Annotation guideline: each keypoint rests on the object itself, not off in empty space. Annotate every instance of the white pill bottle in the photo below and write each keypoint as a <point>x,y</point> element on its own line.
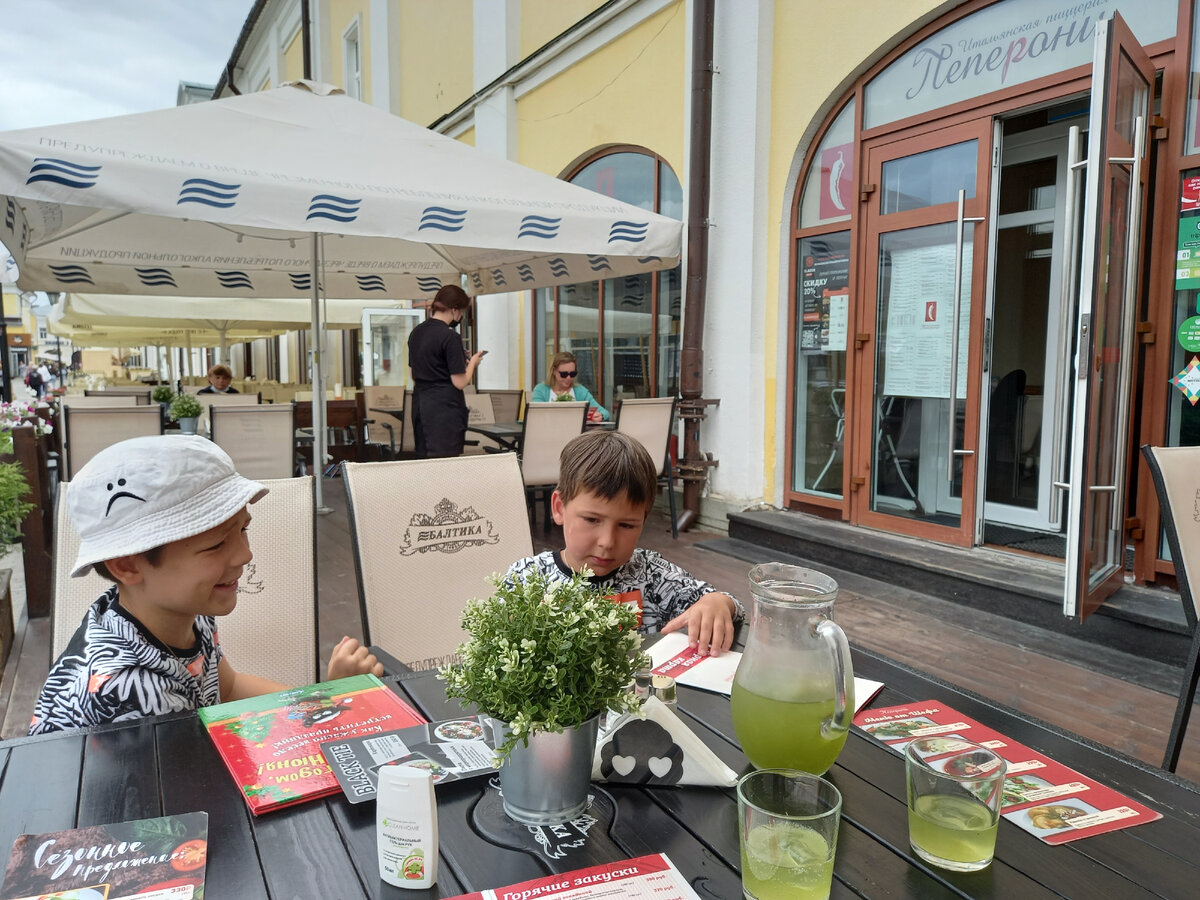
<point>406,827</point>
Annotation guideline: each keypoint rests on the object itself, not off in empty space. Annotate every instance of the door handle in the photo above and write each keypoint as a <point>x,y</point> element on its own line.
<point>956,304</point>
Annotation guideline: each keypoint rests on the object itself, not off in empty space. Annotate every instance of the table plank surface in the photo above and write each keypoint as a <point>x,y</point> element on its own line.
<point>326,847</point>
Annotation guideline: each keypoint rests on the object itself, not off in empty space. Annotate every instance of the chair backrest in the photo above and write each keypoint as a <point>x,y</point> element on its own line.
<point>87,431</point>
<point>192,389</point>
<point>479,410</point>
<point>408,440</point>
<point>99,399</point>
<point>208,401</point>
<point>648,421</point>
<point>506,404</point>
<point>548,428</point>
<point>272,632</point>
<point>426,533</point>
<point>382,396</point>
<point>1176,475</point>
<point>142,394</point>
<point>261,440</point>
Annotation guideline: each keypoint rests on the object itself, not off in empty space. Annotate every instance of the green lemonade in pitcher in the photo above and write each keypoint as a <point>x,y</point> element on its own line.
<point>782,734</point>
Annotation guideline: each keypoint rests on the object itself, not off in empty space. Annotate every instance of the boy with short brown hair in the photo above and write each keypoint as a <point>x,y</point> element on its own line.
<point>606,488</point>
<point>165,519</point>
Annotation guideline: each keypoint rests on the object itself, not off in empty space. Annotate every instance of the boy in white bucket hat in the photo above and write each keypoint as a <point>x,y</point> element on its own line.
<point>165,519</point>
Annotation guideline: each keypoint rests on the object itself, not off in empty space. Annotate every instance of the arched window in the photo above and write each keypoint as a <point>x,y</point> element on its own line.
<point>625,332</point>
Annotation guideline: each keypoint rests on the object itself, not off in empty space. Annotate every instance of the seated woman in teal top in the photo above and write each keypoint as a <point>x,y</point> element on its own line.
<point>560,385</point>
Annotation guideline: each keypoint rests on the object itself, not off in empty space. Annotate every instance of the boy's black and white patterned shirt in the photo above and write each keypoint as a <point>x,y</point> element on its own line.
<point>666,590</point>
<point>114,670</point>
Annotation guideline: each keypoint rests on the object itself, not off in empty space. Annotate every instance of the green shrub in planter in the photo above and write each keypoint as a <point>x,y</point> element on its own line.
<point>185,406</point>
<point>162,393</point>
<point>13,510</point>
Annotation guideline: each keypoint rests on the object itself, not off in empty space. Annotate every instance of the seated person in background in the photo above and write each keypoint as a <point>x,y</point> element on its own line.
<point>606,488</point>
<point>218,381</point>
<point>164,518</point>
<point>560,385</point>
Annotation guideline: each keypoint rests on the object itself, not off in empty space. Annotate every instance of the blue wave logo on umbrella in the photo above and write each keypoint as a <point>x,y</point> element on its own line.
<point>71,274</point>
<point>599,263</point>
<point>558,267</point>
<point>60,171</point>
<point>208,192</point>
<point>301,281</point>
<point>539,227</point>
<point>231,280</point>
<point>498,277</point>
<point>155,277</point>
<point>633,232</point>
<point>477,281</point>
<point>525,271</point>
<point>369,282</point>
<point>10,214</point>
<point>442,218</point>
<point>645,260</point>
<point>428,283</point>
<point>331,206</point>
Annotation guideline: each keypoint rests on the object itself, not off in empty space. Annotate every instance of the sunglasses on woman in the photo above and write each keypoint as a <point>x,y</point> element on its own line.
<point>563,373</point>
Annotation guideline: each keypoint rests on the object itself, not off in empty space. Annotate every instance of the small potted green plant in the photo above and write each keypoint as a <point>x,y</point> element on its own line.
<point>185,409</point>
<point>13,509</point>
<point>546,659</point>
<point>162,394</point>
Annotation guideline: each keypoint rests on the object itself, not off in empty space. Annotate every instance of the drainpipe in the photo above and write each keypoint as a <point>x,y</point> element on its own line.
<point>693,466</point>
<point>306,39</point>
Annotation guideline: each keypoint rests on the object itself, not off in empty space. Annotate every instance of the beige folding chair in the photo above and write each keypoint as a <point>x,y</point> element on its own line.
<point>272,633</point>
<point>376,423</point>
<point>141,395</point>
<point>1176,475</point>
<point>87,431</point>
<point>261,440</point>
<point>479,411</point>
<point>208,401</point>
<point>426,533</point>
<point>649,421</point>
<point>548,427</point>
<point>506,404</point>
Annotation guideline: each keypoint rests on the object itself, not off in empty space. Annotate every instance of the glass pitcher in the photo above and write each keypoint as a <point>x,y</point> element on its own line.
<point>793,694</point>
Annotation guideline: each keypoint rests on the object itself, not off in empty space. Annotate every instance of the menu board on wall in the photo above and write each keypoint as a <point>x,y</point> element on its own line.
<point>920,319</point>
<point>824,292</point>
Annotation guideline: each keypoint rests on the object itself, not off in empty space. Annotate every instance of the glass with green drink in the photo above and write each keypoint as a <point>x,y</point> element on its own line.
<point>788,827</point>
<point>953,802</point>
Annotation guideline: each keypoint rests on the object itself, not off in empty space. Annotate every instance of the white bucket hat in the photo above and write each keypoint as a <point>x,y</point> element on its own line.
<point>148,491</point>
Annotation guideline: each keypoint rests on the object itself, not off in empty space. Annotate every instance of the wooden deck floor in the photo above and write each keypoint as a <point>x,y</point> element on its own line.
<point>1059,680</point>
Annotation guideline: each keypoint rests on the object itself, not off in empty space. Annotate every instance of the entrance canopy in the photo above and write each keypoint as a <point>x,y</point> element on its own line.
<point>219,198</point>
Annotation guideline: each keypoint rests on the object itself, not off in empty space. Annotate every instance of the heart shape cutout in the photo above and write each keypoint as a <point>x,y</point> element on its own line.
<point>623,765</point>
<point>660,766</point>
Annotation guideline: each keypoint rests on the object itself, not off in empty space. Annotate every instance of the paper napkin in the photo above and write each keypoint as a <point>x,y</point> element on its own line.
<point>658,749</point>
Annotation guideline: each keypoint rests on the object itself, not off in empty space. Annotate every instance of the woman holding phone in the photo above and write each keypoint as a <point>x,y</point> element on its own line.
<point>560,384</point>
<point>440,371</point>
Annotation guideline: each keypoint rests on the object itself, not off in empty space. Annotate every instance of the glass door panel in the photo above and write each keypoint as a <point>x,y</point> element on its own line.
<point>1122,82</point>
<point>385,345</point>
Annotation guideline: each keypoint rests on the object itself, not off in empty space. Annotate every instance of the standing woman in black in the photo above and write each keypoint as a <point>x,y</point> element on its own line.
<point>440,371</point>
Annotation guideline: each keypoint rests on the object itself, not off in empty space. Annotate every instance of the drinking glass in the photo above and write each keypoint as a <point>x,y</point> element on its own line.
<point>954,791</point>
<point>788,826</point>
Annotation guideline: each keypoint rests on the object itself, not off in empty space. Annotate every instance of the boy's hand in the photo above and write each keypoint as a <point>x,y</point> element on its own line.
<point>350,657</point>
<point>709,624</point>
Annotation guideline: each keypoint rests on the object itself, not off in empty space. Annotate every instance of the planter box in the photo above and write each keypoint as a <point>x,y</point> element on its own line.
<point>6,618</point>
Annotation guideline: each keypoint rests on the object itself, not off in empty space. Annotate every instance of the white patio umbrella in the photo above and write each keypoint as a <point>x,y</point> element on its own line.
<point>232,197</point>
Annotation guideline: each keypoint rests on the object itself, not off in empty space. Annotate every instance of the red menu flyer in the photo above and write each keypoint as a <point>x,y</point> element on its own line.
<point>644,878</point>
<point>1047,799</point>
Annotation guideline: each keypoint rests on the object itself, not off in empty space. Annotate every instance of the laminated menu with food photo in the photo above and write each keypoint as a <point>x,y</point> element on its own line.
<point>1046,798</point>
<point>450,750</point>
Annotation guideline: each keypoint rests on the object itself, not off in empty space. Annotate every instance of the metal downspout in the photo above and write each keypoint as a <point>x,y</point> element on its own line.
<point>693,466</point>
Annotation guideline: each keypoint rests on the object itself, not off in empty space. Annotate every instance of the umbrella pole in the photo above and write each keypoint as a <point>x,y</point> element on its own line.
<point>188,336</point>
<point>166,351</point>
<point>318,406</point>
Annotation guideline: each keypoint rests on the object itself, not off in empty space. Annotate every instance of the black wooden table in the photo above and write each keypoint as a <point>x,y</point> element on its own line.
<point>507,434</point>
<point>326,848</point>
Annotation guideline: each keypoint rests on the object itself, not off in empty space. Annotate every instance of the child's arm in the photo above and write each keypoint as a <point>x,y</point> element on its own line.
<point>350,657</point>
<point>709,623</point>
<point>240,685</point>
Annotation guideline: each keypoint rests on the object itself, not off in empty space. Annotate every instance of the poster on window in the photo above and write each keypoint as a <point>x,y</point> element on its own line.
<point>824,292</point>
<point>1187,250</point>
<point>920,321</point>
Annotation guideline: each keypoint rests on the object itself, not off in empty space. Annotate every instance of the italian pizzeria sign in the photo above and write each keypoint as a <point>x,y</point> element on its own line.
<point>1007,43</point>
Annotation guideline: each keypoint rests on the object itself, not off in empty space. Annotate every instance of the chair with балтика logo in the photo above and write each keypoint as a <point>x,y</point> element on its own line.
<point>426,535</point>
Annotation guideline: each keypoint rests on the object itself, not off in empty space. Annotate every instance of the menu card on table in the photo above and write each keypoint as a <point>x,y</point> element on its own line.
<point>670,655</point>
<point>1045,798</point>
<point>644,878</point>
<point>150,859</point>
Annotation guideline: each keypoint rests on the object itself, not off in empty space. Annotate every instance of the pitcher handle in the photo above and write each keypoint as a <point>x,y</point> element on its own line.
<point>843,679</point>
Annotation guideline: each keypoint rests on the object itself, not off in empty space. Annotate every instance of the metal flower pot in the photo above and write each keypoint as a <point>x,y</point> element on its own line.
<point>547,782</point>
<point>187,424</point>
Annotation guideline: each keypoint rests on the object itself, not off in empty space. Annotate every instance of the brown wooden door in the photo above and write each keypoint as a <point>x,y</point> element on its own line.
<point>916,423</point>
<point>1122,90</point>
